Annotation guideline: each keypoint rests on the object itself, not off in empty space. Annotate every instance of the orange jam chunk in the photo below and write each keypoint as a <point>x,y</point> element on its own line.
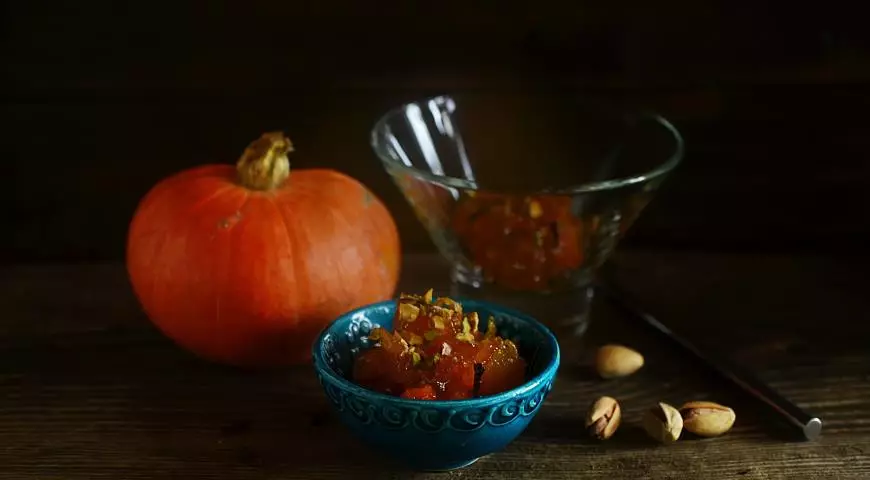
<point>438,352</point>
<point>520,243</point>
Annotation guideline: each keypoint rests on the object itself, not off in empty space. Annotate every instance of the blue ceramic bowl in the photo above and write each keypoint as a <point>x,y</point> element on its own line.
<point>434,435</point>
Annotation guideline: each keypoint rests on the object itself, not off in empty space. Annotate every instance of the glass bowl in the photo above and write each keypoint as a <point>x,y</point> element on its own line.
<point>526,195</point>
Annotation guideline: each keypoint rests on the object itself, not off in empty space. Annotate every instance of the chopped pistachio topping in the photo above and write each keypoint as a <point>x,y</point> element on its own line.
<point>535,209</point>
<point>408,313</point>
<point>427,297</point>
<point>465,337</point>
<point>439,310</point>
<point>438,322</point>
<point>376,334</point>
<point>450,304</point>
<point>415,339</point>
<point>411,299</point>
<point>490,328</point>
<point>474,320</point>
<point>431,335</point>
<point>415,357</point>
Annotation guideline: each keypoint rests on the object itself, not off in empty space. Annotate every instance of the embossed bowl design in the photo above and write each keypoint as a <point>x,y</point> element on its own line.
<point>434,435</point>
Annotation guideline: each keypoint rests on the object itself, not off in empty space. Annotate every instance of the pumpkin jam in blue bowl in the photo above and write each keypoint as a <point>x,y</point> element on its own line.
<point>431,403</point>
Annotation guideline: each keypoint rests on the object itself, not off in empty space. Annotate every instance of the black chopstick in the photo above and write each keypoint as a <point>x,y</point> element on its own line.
<point>809,425</point>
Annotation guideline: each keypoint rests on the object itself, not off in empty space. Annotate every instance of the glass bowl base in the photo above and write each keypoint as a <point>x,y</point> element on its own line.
<point>566,312</point>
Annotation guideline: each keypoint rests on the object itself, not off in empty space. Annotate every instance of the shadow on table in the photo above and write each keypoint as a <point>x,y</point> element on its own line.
<point>137,397</point>
<point>269,419</point>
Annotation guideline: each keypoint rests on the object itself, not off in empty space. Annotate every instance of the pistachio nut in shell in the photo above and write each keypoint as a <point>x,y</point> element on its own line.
<point>603,418</point>
<point>663,423</point>
<point>612,361</point>
<point>707,419</point>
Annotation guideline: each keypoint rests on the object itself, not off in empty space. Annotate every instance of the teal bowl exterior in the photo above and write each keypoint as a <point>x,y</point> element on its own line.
<point>434,435</point>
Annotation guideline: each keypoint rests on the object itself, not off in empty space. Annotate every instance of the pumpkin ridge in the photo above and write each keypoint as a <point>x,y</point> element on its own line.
<point>291,249</point>
<point>238,214</point>
<point>370,246</point>
<point>223,271</point>
<point>164,187</point>
<point>202,203</point>
<point>159,236</point>
<point>342,221</point>
<point>187,175</point>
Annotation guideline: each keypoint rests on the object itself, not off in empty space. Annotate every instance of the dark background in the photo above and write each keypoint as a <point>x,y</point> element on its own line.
<point>101,100</point>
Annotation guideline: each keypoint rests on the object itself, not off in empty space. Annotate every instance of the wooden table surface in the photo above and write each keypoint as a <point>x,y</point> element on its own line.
<point>89,390</point>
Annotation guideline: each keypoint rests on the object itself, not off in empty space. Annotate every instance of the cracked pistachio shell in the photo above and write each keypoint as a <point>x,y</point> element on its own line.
<point>663,423</point>
<point>603,418</point>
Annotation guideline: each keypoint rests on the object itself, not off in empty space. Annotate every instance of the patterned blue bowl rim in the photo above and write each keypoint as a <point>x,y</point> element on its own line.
<point>548,372</point>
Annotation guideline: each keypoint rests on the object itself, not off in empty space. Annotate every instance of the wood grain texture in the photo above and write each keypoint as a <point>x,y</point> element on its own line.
<point>89,390</point>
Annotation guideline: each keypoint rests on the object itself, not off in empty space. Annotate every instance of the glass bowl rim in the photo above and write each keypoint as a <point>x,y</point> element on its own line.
<point>613,184</point>
<point>548,372</point>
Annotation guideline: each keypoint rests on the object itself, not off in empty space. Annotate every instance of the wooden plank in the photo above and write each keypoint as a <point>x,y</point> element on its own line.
<point>90,390</point>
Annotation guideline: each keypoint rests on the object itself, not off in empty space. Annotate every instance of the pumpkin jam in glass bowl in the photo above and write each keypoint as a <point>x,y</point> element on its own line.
<point>438,352</point>
<point>527,194</point>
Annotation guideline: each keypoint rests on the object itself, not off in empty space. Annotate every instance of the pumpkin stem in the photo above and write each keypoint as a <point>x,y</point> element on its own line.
<point>264,164</point>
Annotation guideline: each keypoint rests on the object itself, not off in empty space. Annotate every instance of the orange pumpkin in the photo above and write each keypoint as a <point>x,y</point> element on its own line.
<point>246,265</point>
